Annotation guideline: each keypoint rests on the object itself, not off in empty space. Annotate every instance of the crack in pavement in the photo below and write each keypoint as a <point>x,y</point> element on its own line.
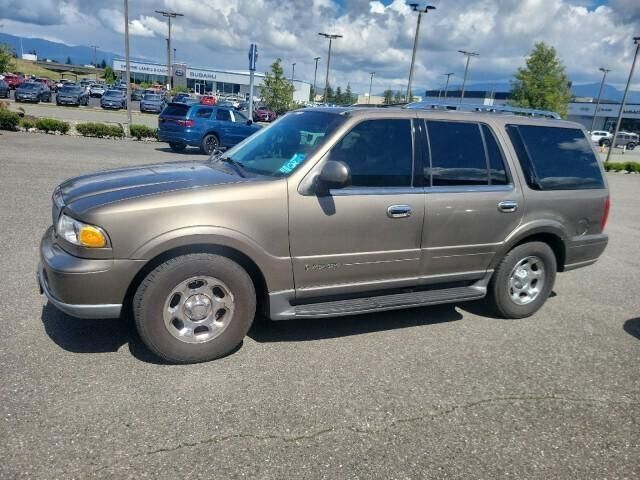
<point>364,431</point>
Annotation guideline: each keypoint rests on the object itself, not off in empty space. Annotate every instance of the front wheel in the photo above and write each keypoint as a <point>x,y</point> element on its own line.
<point>631,146</point>
<point>605,143</point>
<point>194,308</point>
<point>209,144</point>
<point>523,280</point>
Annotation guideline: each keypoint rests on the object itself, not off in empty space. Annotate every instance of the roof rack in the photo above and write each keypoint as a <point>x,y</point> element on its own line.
<point>479,107</point>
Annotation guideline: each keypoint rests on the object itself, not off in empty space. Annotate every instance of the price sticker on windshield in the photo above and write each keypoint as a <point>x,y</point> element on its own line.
<point>292,163</point>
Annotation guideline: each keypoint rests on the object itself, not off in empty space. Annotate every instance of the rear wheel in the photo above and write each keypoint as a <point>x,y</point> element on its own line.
<point>209,144</point>
<point>631,146</point>
<point>523,280</point>
<point>177,147</point>
<point>194,308</point>
<point>605,143</point>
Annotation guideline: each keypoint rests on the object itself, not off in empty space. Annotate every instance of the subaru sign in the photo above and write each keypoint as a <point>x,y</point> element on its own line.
<point>178,72</point>
<point>253,56</point>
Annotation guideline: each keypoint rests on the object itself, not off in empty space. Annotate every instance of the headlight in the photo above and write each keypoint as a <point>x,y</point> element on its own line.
<point>80,233</point>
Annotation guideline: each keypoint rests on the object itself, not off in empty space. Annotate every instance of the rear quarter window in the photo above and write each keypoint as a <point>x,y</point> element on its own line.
<point>175,111</point>
<point>555,158</point>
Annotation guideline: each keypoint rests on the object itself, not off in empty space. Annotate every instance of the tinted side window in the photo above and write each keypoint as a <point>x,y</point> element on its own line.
<point>239,118</point>
<point>204,113</point>
<point>224,115</point>
<point>457,154</point>
<point>378,152</point>
<point>497,170</point>
<point>555,158</point>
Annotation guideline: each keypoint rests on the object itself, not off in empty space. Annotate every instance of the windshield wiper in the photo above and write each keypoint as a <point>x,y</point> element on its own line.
<point>236,165</point>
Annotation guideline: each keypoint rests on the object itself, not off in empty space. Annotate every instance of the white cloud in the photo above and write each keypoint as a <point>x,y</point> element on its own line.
<point>376,37</point>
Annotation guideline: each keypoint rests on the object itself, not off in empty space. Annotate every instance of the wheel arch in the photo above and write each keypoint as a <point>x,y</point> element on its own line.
<point>552,235</point>
<point>241,258</point>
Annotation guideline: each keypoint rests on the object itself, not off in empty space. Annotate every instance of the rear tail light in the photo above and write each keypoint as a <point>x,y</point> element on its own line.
<point>605,214</point>
<point>186,123</point>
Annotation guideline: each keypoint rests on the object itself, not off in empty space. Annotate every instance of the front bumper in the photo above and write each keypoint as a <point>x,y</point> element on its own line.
<point>68,101</point>
<point>81,287</point>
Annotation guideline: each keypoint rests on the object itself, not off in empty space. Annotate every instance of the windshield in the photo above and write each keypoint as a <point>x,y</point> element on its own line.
<point>151,96</point>
<point>113,93</point>
<point>29,86</point>
<point>280,149</point>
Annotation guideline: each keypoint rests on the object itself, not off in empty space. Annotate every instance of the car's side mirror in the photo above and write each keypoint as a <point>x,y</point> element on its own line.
<point>333,175</point>
<point>249,122</point>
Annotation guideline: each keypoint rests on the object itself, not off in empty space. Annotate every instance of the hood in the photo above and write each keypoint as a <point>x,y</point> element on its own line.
<point>90,191</point>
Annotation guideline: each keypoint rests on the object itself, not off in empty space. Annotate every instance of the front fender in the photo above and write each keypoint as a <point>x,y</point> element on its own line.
<point>276,270</point>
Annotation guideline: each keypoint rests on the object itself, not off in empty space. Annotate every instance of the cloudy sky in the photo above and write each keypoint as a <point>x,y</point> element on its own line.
<point>377,35</point>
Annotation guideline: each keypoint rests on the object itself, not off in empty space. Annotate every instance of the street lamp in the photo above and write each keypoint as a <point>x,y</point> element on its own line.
<point>169,16</point>
<point>127,64</point>
<point>446,85</point>
<point>636,40</point>
<point>315,75</point>
<point>94,60</point>
<point>604,76</point>
<point>414,7</point>
<point>466,69</point>
<point>370,83</point>
<point>293,71</point>
<point>331,37</point>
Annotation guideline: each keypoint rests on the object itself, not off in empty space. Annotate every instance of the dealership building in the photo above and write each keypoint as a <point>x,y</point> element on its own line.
<point>202,80</point>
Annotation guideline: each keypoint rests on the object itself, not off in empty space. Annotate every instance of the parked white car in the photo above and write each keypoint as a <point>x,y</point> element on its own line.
<point>598,135</point>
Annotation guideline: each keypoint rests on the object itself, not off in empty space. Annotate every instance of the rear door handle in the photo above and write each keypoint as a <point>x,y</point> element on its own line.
<point>399,211</point>
<point>508,206</point>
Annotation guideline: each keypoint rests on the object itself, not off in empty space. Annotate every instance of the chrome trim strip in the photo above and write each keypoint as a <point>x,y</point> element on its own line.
<point>79,311</point>
<point>376,191</point>
<point>470,188</point>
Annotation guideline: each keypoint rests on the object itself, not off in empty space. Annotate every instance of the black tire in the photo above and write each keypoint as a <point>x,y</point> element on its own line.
<point>150,298</point>
<point>209,143</point>
<point>177,147</point>
<point>499,294</point>
<point>605,143</point>
<point>631,146</point>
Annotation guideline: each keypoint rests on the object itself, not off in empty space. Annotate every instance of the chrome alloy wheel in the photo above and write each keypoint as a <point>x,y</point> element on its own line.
<point>198,309</point>
<point>526,280</point>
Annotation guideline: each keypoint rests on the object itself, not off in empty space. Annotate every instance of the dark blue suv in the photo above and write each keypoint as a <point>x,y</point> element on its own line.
<point>204,126</point>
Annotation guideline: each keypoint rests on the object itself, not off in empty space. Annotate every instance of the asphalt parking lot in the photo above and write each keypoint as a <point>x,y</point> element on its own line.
<point>442,392</point>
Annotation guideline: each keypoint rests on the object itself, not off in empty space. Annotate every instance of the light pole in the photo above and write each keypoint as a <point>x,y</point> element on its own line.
<point>315,75</point>
<point>175,57</point>
<point>293,71</point>
<point>636,40</point>
<point>169,16</point>
<point>595,112</point>
<point>94,60</point>
<point>466,70</point>
<point>446,85</point>
<point>128,64</point>
<point>414,7</point>
<point>331,37</point>
<point>370,83</point>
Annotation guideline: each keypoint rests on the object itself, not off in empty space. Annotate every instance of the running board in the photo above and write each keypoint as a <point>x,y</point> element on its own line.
<point>281,305</point>
<point>356,306</point>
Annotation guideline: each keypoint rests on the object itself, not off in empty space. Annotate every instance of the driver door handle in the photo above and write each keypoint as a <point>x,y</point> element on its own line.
<point>399,211</point>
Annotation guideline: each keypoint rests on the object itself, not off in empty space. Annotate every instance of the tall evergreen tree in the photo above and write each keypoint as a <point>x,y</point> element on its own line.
<point>276,90</point>
<point>542,83</point>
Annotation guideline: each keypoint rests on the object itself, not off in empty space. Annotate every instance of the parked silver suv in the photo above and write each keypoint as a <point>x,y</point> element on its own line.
<point>329,212</point>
